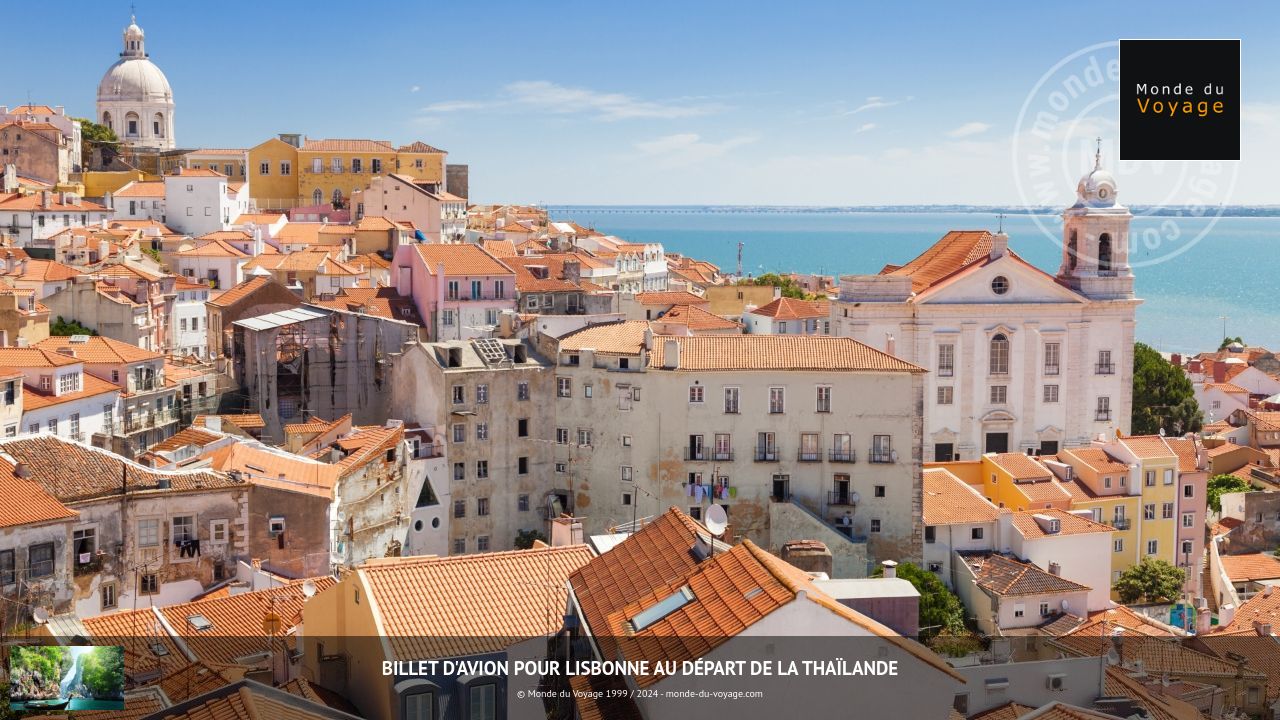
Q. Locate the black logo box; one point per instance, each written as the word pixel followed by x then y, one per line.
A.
pixel 1186 69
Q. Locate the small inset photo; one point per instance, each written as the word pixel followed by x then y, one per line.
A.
pixel 54 677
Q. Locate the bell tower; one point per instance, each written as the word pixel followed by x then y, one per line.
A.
pixel 1095 238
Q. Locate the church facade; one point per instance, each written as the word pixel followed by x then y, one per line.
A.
pixel 134 97
pixel 1018 360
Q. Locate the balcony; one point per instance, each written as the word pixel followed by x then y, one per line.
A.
pixel 475 298
pixel 695 453
pixel 880 456
pixel 842 456
pixel 92 567
pixel 1052 369
pixel 810 455
pixel 432 450
pixel 722 454
pixel 1105 369
pixel 1119 523
pixel 1102 416
pixel 946 371
pixel 766 454
pixel 842 498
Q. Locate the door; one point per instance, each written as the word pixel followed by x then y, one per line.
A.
pixel 781 488
pixel 943 452
pixel 997 443
pixel 1049 447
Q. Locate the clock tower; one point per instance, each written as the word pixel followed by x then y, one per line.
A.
pixel 1095 239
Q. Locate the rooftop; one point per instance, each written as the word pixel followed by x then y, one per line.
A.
pixel 1008 577
pixel 948 500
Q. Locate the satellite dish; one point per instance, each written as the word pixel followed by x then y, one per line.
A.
pixel 717 520
pixel 309 588
pixel 40 615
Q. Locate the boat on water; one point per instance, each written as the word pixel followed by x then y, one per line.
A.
pixel 50 704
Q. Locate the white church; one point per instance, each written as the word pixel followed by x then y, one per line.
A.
pixel 1019 360
pixel 134 97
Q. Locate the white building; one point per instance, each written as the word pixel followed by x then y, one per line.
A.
pixel 1068 545
pixel 134 97
pixel 956 518
pixel 198 202
pixel 1018 359
pixel 42 215
pixel 789 316
pixel 59 397
pixel 140 200
pixel 187 321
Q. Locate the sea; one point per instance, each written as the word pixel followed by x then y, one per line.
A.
pixel 1198 277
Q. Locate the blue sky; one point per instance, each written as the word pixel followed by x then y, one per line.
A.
pixel 660 102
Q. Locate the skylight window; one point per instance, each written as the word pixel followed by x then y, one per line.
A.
pixel 663 608
pixel 199 622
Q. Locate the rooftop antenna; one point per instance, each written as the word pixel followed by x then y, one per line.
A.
pixel 1097 156
pixel 740 244
pixel 1000 227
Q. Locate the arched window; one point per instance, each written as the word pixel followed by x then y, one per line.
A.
pixel 317 197
pixel 131 125
pixel 337 198
pixel 106 120
pixel 1104 253
pixel 999 360
pixel 1071 251
pixel 157 125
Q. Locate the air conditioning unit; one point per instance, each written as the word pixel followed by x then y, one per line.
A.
pixel 276 525
pixel 1056 682
pixel 935 567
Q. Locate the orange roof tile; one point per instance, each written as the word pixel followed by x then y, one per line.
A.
pixel 785 308
pixel 956 250
pixel 98 349
pixel 1009 577
pixel 235 294
pixel 142 188
pixel 1020 466
pixel 276 468
pixel 613 338
pixel 27 502
pixel 1148 447
pixel 776 352
pixel 1253 566
pixel 347 145
pixel 464 259
pixel 44 271
pixel 697 318
pixel 420 147
pixel 213 248
pixel 670 297
pixel 1097 459
pixel 948 500
pixel 33 357
pixel 1068 523
pixel 187 437
pixel 90 386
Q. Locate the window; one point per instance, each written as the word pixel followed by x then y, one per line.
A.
pixel 1000 285
pixel 1052 358
pixel 40 560
pixel 522 427
pixel 626 441
pixel 695 393
pixel 562 436
pixel 809 451
pixel 824 399
pixel 446 318
pixel 264 168
pixel 626 473
pixel 1149 511
pixel 584 437
pixel 219 532
pixel 482 431
pixel 564 387
pixel 8 571
pixel 1188 491
pixel 376 165
pixel 1117 545
pixel 562 468
pixel 1104 409
pixel 945 394
pixel 999 394
pixel 777 400
pixel 875 525
pixel 1106 482
pixel 946 360
pixel 731 400
pixel 108 595
pixel 522 503
pixel 53 426
pixel 184 528
pixel 482 543
pixel 459 432
pixel 357 165
pixel 459 508
pixel 482 471
pixel 522 466
pixel 83 544
pixel 75 424
pixel 148 532
pixel 459 546
pixel 285 168
pixel 1150 478
pixel 1044 609
pixel 149 584
pixel 881 451
pixel 1019 610
pixel 482 393
pixel 930 534
pixel 459 471
pixel 724 447
pixel 459 395
pixel 1186 547
pixel 998 360
pixel 1188 520
pixel 482 506
pixel 1168 476
pixel 1051 393
pixel 586 389
pixel 1153 547
pixel 975 533
pixel 1166 511
pixel 878 491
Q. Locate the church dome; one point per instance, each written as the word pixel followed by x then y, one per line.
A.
pixel 137 79
pixel 134 97
pixel 1098 187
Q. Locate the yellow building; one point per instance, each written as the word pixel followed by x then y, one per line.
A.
pixel 228 161
pixel 273 174
pixel 331 170
pixel 421 162
pixel 1100 483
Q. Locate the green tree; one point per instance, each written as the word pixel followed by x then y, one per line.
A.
pixel 1221 484
pixel 92 136
pixel 1151 580
pixel 940 610
pixel 526 538
pixel 789 287
pixel 1162 396
pixel 66 328
pixel 102 671
pixel 1227 341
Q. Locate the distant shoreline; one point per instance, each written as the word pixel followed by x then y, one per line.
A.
pixel 1264 211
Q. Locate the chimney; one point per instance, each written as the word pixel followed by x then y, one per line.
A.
pixel 1263 629
pixel 1055 569
pixel 22 470
pixel 890 345
pixel 999 245
pixel 890 568
pixel 1219 372
pixel 10 178
pixel 671 354
pixel 104 248
pixel 811 556
pixel 1175 359
pixel 45 198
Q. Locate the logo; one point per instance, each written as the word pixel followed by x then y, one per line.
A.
pixel 1180 99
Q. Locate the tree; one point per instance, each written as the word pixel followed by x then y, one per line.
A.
pixel 940 610
pixel 789 287
pixel 526 538
pixel 1221 484
pixel 1162 396
pixel 93 136
pixel 65 328
pixel 1152 580
pixel 1227 341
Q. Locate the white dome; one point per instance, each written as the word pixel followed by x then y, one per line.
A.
pixel 1098 187
pixel 134 79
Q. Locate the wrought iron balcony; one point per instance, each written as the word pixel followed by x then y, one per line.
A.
pixel 766 454
pixel 842 456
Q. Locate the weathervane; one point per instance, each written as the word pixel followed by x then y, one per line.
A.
pixel 1097 157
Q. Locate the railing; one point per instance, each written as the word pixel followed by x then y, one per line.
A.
pixel 695 453
pixel 1105 368
pixel 1102 415
pixel 428 451
pixel 473 298
pixel 946 371
pixel 1051 369
pixel 1119 523
pixel 731 409
pixel 814 455
pixel 722 454
pixel 844 456
pixel 840 497
pixel 876 456
pixel 93 566
pixel 766 454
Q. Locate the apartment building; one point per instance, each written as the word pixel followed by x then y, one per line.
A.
pixel 828 425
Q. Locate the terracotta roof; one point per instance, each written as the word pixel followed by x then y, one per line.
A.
pixel 142 188
pixel 1008 711
pixel 44 271
pixel 776 352
pixel 340 145
pixel 955 251
pixel 1225 448
pixel 614 338
pixel 433 607
pixel 72 472
pixel 304 688
pixel 235 294
pixel 1043 491
pixel 1187 450
pixel 1069 524
pixel 187 437
pixel 276 468
pixel 214 248
pixel 1254 566
pixel 785 308
pixel 99 349
pixel 34 398
pixel 463 259
pixel 499 248
pixel 195 172
pixel 1159 704
pixel 249 700
pixel 697 318
pixel 244 421
pixel 35 201
pixel 603 697
pixel 948 500
pixel 1020 466
pixel 27 502
pixel 191 680
pixel 1261 653
pixel 1263 607
pixel 1148 447
pixel 420 147
pixel 1097 459
pixel 257 218
pixel 1008 577
pixel 33 357
pixel 670 297
pixel 1226 387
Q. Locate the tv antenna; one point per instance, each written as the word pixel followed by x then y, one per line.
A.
pixel 717 522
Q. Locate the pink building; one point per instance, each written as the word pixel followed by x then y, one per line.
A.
pixel 459 290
